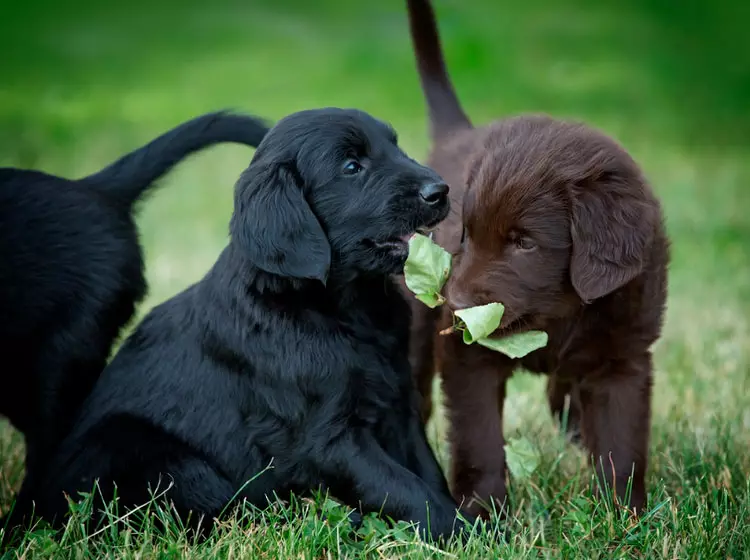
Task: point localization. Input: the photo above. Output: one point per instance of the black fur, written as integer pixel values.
(71, 273)
(291, 351)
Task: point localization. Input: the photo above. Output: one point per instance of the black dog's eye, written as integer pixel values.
(352, 167)
(524, 243)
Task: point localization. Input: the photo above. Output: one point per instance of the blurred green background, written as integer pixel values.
(82, 82)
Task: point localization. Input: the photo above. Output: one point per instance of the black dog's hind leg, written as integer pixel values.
(144, 463)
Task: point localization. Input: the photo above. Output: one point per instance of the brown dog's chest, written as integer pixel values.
(575, 350)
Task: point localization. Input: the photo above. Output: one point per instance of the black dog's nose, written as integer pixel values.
(434, 193)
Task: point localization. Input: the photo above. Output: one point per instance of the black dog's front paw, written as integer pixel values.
(355, 519)
(338, 515)
(448, 526)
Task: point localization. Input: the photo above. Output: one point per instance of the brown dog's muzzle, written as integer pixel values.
(457, 296)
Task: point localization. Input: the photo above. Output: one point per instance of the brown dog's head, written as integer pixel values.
(555, 215)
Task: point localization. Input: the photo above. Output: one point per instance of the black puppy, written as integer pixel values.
(292, 351)
(71, 273)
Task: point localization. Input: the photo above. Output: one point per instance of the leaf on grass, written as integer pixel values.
(480, 321)
(521, 457)
(516, 345)
(426, 269)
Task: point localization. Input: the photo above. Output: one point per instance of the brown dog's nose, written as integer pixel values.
(459, 304)
(434, 193)
(457, 299)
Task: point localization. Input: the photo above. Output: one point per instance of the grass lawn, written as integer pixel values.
(83, 82)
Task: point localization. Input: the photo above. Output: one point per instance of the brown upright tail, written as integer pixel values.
(446, 114)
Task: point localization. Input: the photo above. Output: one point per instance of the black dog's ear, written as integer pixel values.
(612, 227)
(275, 227)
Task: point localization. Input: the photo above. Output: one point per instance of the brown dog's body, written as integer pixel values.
(556, 221)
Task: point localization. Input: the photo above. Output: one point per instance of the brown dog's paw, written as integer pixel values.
(486, 499)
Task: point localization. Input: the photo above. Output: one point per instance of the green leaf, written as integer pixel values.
(521, 457)
(426, 269)
(516, 345)
(431, 300)
(480, 321)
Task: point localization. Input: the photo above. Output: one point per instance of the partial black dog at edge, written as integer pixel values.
(293, 347)
(71, 274)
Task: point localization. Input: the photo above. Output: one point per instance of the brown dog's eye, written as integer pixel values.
(524, 243)
(352, 167)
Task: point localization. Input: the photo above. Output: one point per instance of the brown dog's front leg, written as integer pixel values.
(557, 390)
(616, 413)
(474, 384)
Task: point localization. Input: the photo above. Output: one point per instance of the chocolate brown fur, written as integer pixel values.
(556, 221)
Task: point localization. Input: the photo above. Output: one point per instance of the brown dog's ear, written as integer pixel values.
(612, 227)
(274, 225)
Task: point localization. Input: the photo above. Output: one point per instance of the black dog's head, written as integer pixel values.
(330, 194)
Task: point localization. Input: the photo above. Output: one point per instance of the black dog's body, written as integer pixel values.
(71, 273)
(230, 380)
(291, 352)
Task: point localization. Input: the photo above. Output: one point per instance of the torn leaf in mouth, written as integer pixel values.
(427, 269)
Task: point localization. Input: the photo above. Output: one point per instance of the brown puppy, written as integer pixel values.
(559, 225)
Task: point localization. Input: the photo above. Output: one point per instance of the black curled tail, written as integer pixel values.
(130, 177)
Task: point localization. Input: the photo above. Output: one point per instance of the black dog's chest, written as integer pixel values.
(378, 376)
(378, 380)
(311, 373)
